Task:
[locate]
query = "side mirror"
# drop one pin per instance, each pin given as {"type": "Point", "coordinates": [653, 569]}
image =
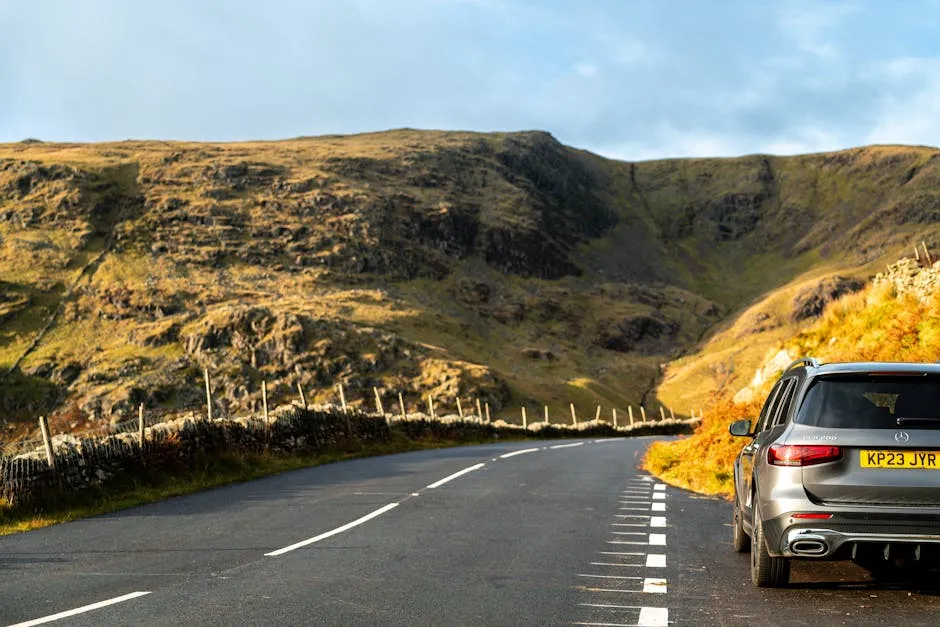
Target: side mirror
{"type": "Point", "coordinates": [740, 428]}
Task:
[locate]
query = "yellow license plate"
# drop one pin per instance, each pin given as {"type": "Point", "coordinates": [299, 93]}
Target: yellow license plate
{"type": "Point", "coordinates": [901, 459]}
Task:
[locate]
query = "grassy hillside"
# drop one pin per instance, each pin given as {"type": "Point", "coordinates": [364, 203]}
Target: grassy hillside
{"type": "Point", "coordinates": [505, 267]}
{"type": "Point", "coordinates": [895, 318]}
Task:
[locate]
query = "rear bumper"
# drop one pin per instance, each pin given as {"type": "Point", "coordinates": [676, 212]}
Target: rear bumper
{"type": "Point", "coordinates": [815, 543]}
{"type": "Point", "coordinates": [848, 531]}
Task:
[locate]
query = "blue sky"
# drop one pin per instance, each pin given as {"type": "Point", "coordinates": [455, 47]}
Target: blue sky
{"type": "Point", "coordinates": [632, 79]}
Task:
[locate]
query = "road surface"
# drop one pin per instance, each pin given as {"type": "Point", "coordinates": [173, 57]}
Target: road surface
{"type": "Point", "coordinates": [523, 533]}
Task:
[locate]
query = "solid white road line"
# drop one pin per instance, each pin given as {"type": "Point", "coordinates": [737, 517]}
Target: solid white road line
{"type": "Point", "coordinates": [612, 564]}
{"type": "Point", "coordinates": [459, 473]}
{"type": "Point", "coordinates": [566, 445]}
{"type": "Point", "coordinates": [334, 532]}
{"type": "Point", "coordinates": [653, 617]}
{"type": "Point", "coordinates": [657, 539]}
{"type": "Point", "coordinates": [606, 624]}
{"type": "Point", "coordinates": [610, 577]}
{"type": "Point", "coordinates": [654, 560]}
{"type": "Point", "coordinates": [81, 610]}
{"type": "Point", "coordinates": [658, 507]}
{"type": "Point", "coordinates": [619, 553]}
{"type": "Point", "coordinates": [654, 585]}
{"type": "Point", "coordinates": [514, 453]}
{"type": "Point", "coordinates": [657, 521]}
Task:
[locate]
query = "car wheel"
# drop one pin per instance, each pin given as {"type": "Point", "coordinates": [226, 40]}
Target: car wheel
{"type": "Point", "coordinates": [766, 571]}
{"type": "Point", "coordinates": [740, 540]}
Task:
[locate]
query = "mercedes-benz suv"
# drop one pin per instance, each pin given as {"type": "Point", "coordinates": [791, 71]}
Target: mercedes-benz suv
{"type": "Point", "coordinates": [843, 463]}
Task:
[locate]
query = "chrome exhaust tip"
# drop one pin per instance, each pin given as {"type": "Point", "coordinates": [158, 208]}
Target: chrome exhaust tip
{"type": "Point", "coordinates": [809, 546]}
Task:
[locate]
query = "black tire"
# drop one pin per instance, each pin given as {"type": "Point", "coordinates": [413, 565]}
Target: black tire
{"type": "Point", "coordinates": [766, 571]}
{"type": "Point", "coordinates": [739, 539]}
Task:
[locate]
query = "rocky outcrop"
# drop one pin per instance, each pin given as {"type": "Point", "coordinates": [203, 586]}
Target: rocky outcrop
{"type": "Point", "coordinates": [639, 333]}
{"type": "Point", "coordinates": [810, 302]}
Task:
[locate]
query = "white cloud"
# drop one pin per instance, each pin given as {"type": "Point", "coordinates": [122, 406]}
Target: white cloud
{"type": "Point", "coordinates": [810, 25]}
{"type": "Point", "coordinates": [587, 70]}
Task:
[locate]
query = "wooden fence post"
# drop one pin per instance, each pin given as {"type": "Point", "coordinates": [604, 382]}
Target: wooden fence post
{"type": "Point", "coordinates": [597, 414]}
{"type": "Point", "coordinates": [574, 416]}
{"type": "Point", "coordinates": [401, 403]}
{"type": "Point", "coordinates": [487, 406]}
{"type": "Point", "coordinates": [303, 397]}
{"type": "Point", "coordinates": [140, 429]}
{"type": "Point", "coordinates": [479, 410]}
{"type": "Point", "coordinates": [916, 253]}
{"type": "Point", "coordinates": [431, 407]}
{"type": "Point", "coordinates": [459, 409]}
{"type": "Point", "coordinates": [208, 395]}
{"type": "Point", "coordinates": [662, 413]}
{"type": "Point", "coordinates": [378, 401]}
{"type": "Point", "coordinates": [926, 253]}
{"type": "Point", "coordinates": [615, 417]}
{"type": "Point", "coordinates": [525, 421]}
{"type": "Point", "coordinates": [672, 415]}
{"type": "Point", "coordinates": [47, 441]}
{"type": "Point", "coordinates": [547, 422]}
{"type": "Point", "coordinates": [264, 402]}
{"type": "Point", "coordinates": [342, 398]}
{"type": "Point", "coordinates": [642, 413]}
{"type": "Point", "coordinates": [630, 413]}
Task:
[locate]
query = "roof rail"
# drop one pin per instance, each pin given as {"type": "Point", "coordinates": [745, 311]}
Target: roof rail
{"type": "Point", "coordinates": [812, 362]}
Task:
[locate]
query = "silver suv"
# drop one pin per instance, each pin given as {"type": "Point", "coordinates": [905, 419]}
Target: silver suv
{"type": "Point", "coordinates": [843, 464]}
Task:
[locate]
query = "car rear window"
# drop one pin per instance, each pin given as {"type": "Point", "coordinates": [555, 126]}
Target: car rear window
{"type": "Point", "coordinates": [871, 402]}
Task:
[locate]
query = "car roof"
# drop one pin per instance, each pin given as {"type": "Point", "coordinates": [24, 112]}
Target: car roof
{"type": "Point", "coordinates": [874, 366]}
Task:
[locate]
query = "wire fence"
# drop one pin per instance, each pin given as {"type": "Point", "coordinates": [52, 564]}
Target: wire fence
{"type": "Point", "coordinates": [38, 471]}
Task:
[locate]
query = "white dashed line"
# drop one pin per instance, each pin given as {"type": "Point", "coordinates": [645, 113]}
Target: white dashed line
{"type": "Point", "coordinates": [654, 586]}
{"type": "Point", "coordinates": [658, 521]}
{"type": "Point", "coordinates": [333, 532]}
{"type": "Point", "coordinates": [653, 617]}
{"type": "Point", "coordinates": [655, 560]}
{"type": "Point", "coordinates": [566, 445]}
{"type": "Point", "coordinates": [658, 539]}
{"type": "Point", "coordinates": [613, 564]}
{"type": "Point", "coordinates": [659, 486]}
{"type": "Point", "coordinates": [459, 473]}
{"type": "Point", "coordinates": [659, 496]}
{"type": "Point", "coordinates": [610, 577]}
{"type": "Point", "coordinates": [514, 453]}
{"type": "Point", "coordinates": [658, 507]}
{"type": "Point", "coordinates": [80, 610]}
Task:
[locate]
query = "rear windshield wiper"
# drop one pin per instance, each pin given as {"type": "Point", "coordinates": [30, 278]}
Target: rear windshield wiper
{"type": "Point", "coordinates": [907, 420]}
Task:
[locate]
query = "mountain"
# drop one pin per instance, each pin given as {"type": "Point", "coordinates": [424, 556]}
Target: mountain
{"type": "Point", "coordinates": [505, 267]}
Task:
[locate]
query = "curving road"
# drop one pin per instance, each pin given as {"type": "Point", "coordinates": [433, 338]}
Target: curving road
{"type": "Point", "coordinates": [544, 533]}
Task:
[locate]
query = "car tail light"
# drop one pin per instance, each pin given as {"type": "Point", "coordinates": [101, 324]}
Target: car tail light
{"type": "Point", "coordinates": [785, 455]}
{"type": "Point", "coordinates": [813, 516]}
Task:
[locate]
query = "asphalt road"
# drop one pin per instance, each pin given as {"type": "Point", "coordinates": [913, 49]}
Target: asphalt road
{"type": "Point", "coordinates": [535, 533]}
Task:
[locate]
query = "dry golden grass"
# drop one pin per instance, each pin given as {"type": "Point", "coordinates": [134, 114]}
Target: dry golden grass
{"type": "Point", "coordinates": [875, 324]}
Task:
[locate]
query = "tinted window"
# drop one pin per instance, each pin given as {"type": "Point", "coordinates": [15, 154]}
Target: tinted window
{"type": "Point", "coordinates": [872, 402]}
{"type": "Point", "coordinates": [783, 405]}
{"type": "Point", "coordinates": [768, 409]}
